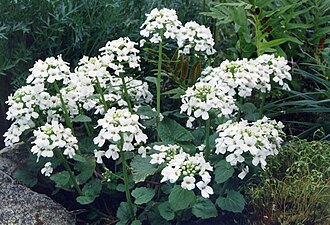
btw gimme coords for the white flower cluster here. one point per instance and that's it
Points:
(120, 51)
(196, 37)
(203, 97)
(118, 127)
(50, 70)
(164, 20)
(24, 107)
(51, 136)
(244, 76)
(180, 164)
(78, 92)
(242, 139)
(138, 90)
(165, 23)
(94, 69)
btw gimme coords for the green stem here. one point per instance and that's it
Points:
(112, 174)
(87, 126)
(64, 108)
(159, 77)
(100, 91)
(204, 10)
(127, 192)
(262, 105)
(223, 188)
(207, 139)
(74, 181)
(241, 101)
(67, 167)
(221, 120)
(257, 26)
(126, 96)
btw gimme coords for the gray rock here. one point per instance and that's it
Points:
(21, 206)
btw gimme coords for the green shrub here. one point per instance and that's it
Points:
(295, 189)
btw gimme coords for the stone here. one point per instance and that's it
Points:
(20, 205)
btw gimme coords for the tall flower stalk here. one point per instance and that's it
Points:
(207, 139)
(126, 182)
(159, 75)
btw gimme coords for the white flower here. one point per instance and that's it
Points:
(143, 151)
(165, 21)
(47, 169)
(243, 76)
(157, 158)
(120, 51)
(244, 172)
(112, 152)
(259, 139)
(50, 70)
(52, 136)
(188, 183)
(180, 164)
(203, 97)
(197, 37)
(171, 174)
(98, 155)
(119, 125)
(206, 190)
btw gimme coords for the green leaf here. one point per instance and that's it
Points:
(81, 119)
(180, 198)
(248, 108)
(87, 145)
(61, 179)
(233, 202)
(143, 195)
(85, 200)
(79, 158)
(166, 211)
(177, 92)
(154, 217)
(146, 111)
(136, 222)
(151, 79)
(223, 171)
(170, 130)
(86, 169)
(26, 177)
(90, 191)
(204, 208)
(265, 46)
(141, 168)
(123, 212)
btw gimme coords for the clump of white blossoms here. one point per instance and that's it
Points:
(243, 76)
(25, 106)
(54, 136)
(193, 170)
(119, 129)
(166, 153)
(50, 70)
(92, 74)
(117, 52)
(238, 140)
(195, 37)
(201, 98)
(159, 24)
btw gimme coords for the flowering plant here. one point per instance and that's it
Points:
(98, 132)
